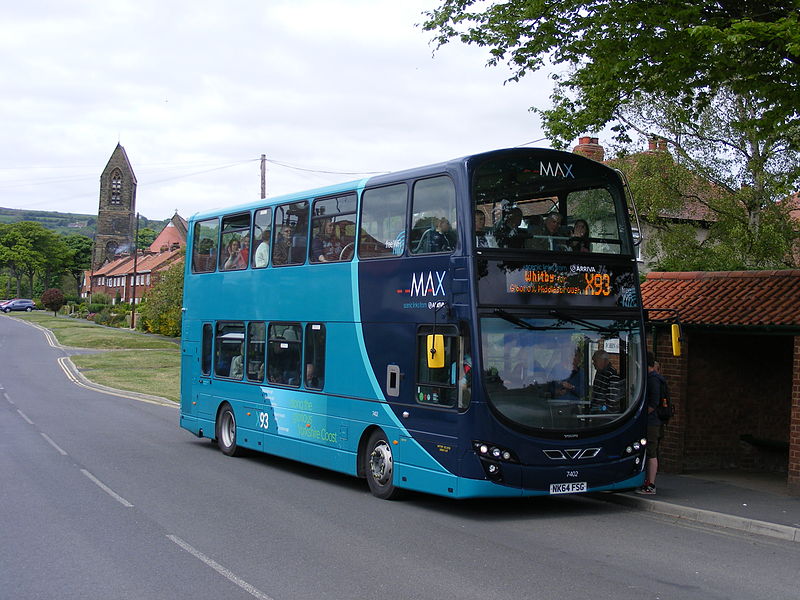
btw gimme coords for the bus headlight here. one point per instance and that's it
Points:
(493, 451)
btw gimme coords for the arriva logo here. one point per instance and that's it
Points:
(556, 170)
(425, 285)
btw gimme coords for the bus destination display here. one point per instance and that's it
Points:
(509, 283)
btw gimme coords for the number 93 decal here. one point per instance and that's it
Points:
(263, 420)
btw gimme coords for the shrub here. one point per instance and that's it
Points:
(53, 299)
(100, 298)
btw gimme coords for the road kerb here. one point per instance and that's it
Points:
(707, 517)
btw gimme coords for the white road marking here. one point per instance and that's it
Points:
(253, 591)
(24, 416)
(107, 489)
(53, 444)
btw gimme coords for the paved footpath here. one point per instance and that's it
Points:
(736, 501)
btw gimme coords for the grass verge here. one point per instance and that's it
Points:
(84, 334)
(138, 363)
(154, 372)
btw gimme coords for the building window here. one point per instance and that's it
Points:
(116, 187)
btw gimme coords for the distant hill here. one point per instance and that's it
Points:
(67, 223)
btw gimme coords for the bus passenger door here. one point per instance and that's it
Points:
(201, 379)
(431, 412)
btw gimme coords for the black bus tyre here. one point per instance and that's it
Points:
(226, 431)
(379, 466)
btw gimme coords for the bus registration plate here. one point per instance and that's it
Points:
(568, 488)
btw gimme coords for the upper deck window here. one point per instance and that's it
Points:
(433, 221)
(383, 222)
(262, 228)
(333, 229)
(291, 234)
(524, 202)
(235, 242)
(204, 246)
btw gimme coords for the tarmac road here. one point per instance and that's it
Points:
(105, 497)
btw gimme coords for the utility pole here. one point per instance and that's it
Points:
(135, 256)
(263, 176)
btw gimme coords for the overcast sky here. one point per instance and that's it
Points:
(197, 90)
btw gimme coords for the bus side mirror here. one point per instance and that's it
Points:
(435, 345)
(676, 339)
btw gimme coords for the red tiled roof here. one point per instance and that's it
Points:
(726, 298)
(173, 233)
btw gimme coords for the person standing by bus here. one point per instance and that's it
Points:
(656, 389)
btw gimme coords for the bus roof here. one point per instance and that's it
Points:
(389, 177)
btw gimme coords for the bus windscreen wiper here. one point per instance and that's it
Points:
(514, 320)
(587, 324)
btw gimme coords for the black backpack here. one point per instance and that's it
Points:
(665, 409)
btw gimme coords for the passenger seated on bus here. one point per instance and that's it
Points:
(236, 366)
(440, 237)
(508, 232)
(326, 245)
(551, 236)
(481, 239)
(280, 253)
(261, 257)
(312, 380)
(235, 260)
(579, 241)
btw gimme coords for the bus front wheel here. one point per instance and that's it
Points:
(226, 431)
(379, 466)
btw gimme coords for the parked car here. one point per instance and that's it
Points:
(18, 304)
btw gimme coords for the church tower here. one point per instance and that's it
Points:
(116, 215)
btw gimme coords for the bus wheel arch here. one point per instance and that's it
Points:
(376, 464)
(226, 430)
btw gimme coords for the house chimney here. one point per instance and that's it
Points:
(656, 143)
(590, 148)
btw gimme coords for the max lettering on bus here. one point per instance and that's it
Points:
(556, 169)
(425, 285)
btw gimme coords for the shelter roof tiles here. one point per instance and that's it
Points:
(727, 298)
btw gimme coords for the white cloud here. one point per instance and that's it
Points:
(189, 87)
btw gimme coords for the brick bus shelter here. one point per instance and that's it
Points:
(736, 385)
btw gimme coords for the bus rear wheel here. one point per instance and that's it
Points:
(226, 431)
(379, 466)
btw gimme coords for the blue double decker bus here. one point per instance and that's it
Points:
(470, 328)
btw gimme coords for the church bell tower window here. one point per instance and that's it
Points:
(116, 187)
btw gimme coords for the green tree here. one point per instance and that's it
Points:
(145, 237)
(161, 309)
(717, 80)
(80, 258)
(53, 299)
(21, 251)
(611, 53)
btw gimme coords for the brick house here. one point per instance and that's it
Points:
(693, 211)
(124, 279)
(737, 384)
